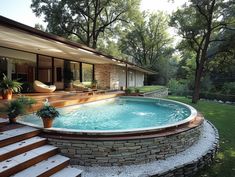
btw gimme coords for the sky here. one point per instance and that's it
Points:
(19, 10)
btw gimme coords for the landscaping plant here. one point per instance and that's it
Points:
(8, 86)
(48, 113)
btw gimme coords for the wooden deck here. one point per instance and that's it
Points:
(65, 98)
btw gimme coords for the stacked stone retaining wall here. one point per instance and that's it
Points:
(161, 93)
(191, 168)
(126, 152)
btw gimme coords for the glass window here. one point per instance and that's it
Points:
(3, 66)
(21, 69)
(45, 69)
(75, 68)
(87, 72)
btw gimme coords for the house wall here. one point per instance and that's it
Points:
(114, 77)
(139, 81)
(107, 75)
(102, 75)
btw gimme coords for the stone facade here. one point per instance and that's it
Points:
(157, 94)
(102, 75)
(126, 152)
(114, 77)
(191, 168)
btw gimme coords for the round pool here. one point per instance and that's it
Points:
(122, 130)
(122, 114)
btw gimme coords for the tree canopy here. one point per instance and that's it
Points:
(84, 20)
(148, 40)
(203, 25)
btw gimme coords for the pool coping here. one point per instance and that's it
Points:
(120, 132)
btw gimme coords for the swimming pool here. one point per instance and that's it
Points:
(122, 130)
(119, 114)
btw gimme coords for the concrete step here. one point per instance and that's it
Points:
(9, 126)
(3, 121)
(20, 162)
(18, 134)
(46, 167)
(20, 147)
(68, 171)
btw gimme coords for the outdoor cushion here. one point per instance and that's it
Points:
(80, 86)
(43, 88)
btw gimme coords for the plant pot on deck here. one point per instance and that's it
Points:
(12, 120)
(7, 94)
(47, 122)
(48, 114)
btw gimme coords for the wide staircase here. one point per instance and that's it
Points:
(23, 153)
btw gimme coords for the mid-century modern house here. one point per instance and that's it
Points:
(29, 54)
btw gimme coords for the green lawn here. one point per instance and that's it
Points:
(223, 117)
(149, 88)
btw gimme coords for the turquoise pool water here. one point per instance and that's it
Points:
(117, 114)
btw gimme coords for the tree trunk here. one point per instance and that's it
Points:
(197, 83)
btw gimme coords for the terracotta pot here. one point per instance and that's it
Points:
(7, 94)
(47, 122)
(94, 86)
(12, 120)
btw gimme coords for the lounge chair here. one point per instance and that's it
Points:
(43, 88)
(80, 86)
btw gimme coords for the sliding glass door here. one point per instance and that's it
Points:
(45, 69)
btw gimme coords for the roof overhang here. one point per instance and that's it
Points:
(18, 36)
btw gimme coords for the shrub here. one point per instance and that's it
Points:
(206, 84)
(19, 106)
(217, 96)
(8, 84)
(229, 88)
(178, 87)
(137, 90)
(128, 91)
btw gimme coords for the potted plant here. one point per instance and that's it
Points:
(128, 91)
(18, 107)
(47, 113)
(8, 86)
(137, 91)
(94, 84)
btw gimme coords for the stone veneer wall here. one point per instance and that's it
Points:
(157, 94)
(125, 152)
(107, 76)
(114, 77)
(191, 168)
(102, 75)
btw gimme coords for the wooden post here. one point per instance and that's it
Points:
(37, 67)
(53, 71)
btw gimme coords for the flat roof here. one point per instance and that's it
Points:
(15, 35)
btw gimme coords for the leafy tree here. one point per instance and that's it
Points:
(201, 24)
(39, 27)
(148, 43)
(84, 20)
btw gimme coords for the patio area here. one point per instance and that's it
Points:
(66, 98)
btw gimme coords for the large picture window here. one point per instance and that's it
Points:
(21, 69)
(45, 69)
(87, 72)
